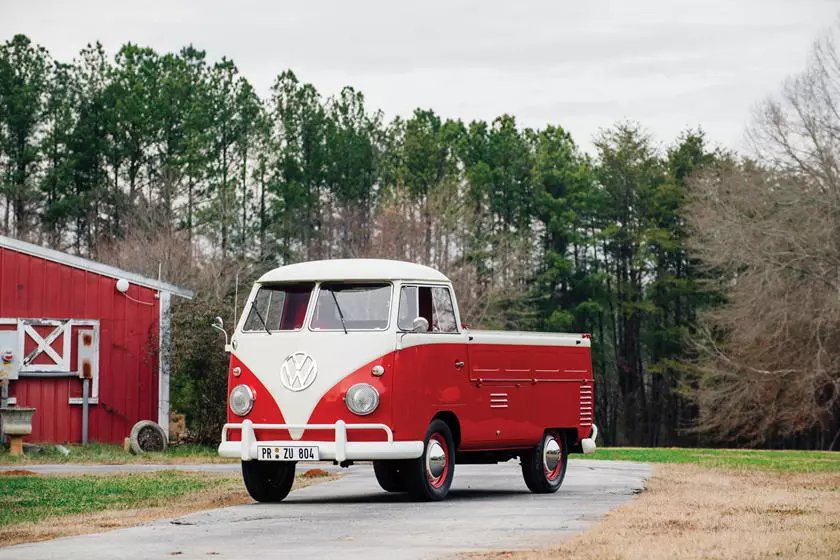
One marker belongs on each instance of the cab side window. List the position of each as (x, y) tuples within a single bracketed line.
[(433, 303), (443, 314)]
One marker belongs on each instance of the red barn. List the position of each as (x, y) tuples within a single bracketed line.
[(66, 322)]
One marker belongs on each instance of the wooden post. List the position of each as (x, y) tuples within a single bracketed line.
[(15, 445)]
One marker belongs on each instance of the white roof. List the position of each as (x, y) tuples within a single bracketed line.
[(92, 266), (353, 269)]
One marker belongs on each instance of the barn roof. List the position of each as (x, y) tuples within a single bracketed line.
[(92, 266), (353, 269)]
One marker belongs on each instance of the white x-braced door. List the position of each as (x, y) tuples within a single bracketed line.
[(54, 357)]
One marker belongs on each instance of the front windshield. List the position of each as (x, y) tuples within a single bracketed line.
[(363, 307), (281, 306)]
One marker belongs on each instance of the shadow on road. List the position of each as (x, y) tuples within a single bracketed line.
[(399, 498)]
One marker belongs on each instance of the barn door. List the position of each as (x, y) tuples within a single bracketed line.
[(45, 345)]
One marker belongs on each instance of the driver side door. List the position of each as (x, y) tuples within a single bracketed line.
[(432, 370)]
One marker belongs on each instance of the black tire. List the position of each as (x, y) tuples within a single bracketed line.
[(390, 475), (544, 475), (428, 480), (268, 481), (147, 436)]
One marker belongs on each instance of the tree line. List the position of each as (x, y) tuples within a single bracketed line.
[(171, 162)]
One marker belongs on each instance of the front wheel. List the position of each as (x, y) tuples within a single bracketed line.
[(390, 475), (268, 481), (544, 466), (429, 477)]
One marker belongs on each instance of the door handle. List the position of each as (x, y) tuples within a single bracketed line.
[(459, 364)]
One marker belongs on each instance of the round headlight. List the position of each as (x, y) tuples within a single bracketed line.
[(362, 399), (241, 400)]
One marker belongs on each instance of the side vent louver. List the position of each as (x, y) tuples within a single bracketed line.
[(498, 400), (586, 404)]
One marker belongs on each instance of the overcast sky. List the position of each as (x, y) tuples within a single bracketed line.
[(669, 64)]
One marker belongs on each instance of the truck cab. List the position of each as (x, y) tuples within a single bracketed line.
[(367, 360)]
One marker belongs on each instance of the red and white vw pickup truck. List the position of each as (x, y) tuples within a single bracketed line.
[(367, 360)]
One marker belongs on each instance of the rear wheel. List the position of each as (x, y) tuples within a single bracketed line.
[(544, 466), (390, 475), (429, 477), (268, 481)]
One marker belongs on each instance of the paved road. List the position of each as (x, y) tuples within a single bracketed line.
[(488, 507)]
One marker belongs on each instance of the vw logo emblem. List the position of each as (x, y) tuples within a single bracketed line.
[(298, 371)]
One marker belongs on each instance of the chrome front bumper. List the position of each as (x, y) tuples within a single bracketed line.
[(588, 444), (338, 450)]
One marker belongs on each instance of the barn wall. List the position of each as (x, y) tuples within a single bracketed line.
[(32, 287)]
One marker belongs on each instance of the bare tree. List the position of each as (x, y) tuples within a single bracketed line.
[(770, 232)]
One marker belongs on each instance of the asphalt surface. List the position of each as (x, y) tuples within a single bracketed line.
[(488, 508)]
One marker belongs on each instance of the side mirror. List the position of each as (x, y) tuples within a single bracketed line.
[(420, 324), (219, 325)]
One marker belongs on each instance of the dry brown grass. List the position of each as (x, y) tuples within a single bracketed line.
[(690, 512), (230, 492)]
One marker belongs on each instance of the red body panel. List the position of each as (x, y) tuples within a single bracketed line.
[(427, 382), (32, 287), (542, 387)]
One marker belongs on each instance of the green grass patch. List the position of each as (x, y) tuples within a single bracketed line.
[(34, 498), (104, 453), (746, 459)]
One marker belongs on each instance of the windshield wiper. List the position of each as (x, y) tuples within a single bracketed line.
[(340, 314), (255, 308)]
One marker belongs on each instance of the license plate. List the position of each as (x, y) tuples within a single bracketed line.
[(287, 453)]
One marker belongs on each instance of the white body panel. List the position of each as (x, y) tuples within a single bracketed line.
[(336, 355), (352, 270), (518, 338)]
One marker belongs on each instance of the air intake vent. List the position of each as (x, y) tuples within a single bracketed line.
[(586, 404), (498, 400)]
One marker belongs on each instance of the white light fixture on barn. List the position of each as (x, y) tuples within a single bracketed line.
[(122, 287)]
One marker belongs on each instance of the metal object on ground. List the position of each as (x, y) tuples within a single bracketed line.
[(147, 436), (17, 422)]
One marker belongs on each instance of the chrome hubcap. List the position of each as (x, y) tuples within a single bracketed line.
[(435, 459), (551, 454)]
